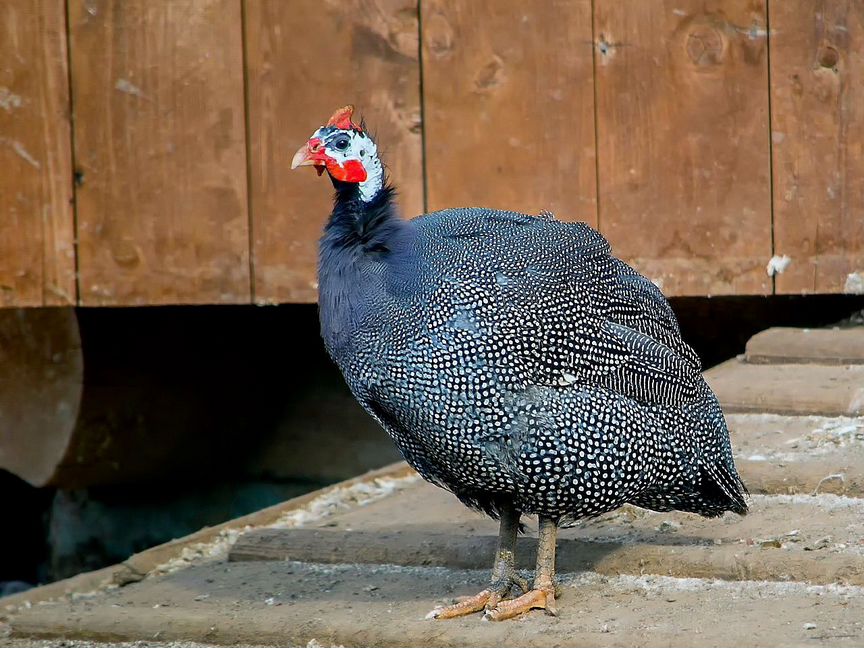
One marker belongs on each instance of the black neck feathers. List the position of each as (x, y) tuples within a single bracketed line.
[(371, 225)]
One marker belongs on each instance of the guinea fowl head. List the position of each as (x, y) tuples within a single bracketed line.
[(346, 151), (365, 253)]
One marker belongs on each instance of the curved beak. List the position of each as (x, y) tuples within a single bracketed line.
[(310, 154)]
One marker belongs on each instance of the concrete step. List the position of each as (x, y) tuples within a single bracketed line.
[(807, 346), (609, 557), (791, 389), (817, 539)]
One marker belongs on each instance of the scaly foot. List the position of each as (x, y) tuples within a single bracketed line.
[(543, 594), (488, 599), (534, 599)]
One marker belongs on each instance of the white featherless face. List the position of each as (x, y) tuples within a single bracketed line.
[(346, 152), (349, 151)]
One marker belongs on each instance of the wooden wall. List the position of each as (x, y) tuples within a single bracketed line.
[(145, 144), (37, 249)]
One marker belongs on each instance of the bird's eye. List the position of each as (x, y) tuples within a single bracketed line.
[(341, 144)]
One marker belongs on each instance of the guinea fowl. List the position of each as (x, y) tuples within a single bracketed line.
[(515, 362)]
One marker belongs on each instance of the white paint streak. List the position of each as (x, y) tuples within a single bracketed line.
[(841, 429), (22, 152), (624, 582), (854, 283), (826, 435), (9, 101), (777, 265), (129, 88), (755, 33)]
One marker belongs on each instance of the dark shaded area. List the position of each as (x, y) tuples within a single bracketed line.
[(89, 529), (190, 416), (23, 532), (179, 394), (175, 393), (195, 415), (718, 327)]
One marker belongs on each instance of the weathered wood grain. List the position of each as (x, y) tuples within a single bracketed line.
[(305, 59), (682, 118), (37, 252), (817, 106), (160, 151), (509, 106), (682, 128)]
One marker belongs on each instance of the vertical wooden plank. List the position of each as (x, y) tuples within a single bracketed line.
[(684, 162), (160, 151), (817, 72), (306, 58), (509, 105), (37, 251)]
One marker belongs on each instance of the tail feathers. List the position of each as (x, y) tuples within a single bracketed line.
[(721, 482)]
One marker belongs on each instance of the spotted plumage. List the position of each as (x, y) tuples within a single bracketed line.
[(513, 357), (519, 364)]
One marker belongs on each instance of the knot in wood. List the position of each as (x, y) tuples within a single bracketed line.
[(125, 254), (440, 36), (490, 75), (829, 57), (705, 45)]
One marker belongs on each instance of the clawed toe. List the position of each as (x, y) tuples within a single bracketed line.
[(493, 600), (464, 605), (489, 599), (533, 599)]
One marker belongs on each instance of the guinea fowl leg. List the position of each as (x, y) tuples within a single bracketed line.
[(504, 575), (543, 593)]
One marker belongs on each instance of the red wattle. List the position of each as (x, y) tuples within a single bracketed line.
[(352, 171)]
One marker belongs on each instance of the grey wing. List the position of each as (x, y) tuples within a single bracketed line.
[(551, 296), (596, 322), (544, 305), (637, 303)]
